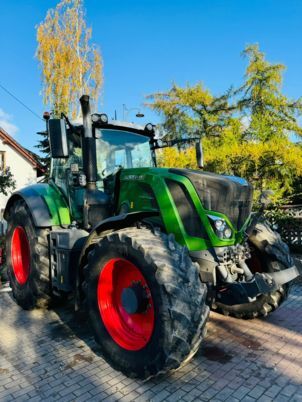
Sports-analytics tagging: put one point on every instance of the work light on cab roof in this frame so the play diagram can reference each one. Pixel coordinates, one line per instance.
(99, 118)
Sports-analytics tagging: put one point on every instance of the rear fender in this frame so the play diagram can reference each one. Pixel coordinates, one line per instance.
(115, 223)
(45, 203)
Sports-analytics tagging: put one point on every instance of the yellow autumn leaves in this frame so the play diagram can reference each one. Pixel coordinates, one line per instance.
(70, 65)
(267, 165)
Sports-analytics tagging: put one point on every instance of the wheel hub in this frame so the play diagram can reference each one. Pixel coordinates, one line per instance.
(125, 303)
(135, 299)
(20, 255)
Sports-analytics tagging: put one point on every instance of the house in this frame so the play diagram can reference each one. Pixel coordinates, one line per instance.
(23, 165)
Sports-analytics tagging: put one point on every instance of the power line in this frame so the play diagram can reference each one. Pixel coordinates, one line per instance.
(21, 103)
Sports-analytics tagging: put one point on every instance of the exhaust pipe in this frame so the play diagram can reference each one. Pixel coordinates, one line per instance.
(199, 154)
(89, 147)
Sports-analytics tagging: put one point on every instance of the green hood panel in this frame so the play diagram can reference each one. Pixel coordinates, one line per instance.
(148, 189)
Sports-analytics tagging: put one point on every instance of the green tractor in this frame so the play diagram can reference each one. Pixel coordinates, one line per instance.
(147, 251)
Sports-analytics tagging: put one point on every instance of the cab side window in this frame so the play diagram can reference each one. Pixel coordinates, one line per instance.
(61, 167)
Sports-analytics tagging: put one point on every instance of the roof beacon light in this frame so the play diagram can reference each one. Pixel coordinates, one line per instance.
(46, 115)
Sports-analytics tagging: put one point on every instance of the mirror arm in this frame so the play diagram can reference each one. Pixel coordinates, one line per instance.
(171, 143)
(71, 126)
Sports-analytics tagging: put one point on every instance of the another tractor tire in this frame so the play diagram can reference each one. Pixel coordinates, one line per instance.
(3, 274)
(3, 269)
(145, 302)
(27, 259)
(264, 304)
(268, 254)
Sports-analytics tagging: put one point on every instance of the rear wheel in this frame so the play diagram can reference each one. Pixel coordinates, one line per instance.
(145, 301)
(27, 259)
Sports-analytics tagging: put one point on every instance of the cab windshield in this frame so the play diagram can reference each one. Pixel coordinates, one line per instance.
(116, 149)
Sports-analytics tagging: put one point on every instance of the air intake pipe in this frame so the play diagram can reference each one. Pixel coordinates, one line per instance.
(88, 144)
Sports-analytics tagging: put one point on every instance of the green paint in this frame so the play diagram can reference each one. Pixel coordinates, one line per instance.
(55, 202)
(146, 189)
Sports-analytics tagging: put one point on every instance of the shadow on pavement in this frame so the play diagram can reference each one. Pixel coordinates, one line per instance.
(52, 355)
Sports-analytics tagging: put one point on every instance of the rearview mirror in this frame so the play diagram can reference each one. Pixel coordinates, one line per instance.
(199, 154)
(58, 138)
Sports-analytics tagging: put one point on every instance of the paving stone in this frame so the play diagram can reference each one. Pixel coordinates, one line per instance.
(289, 390)
(273, 390)
(253, 360)
(257, 391)
(241, 392)
(265, 398)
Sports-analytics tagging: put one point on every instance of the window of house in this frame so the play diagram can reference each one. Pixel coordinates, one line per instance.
(2, 160)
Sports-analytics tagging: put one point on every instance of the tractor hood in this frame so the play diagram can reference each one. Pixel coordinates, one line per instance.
(228, 195)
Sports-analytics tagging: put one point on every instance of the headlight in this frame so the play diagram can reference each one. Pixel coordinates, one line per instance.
(227, 233)
(219, 225)
(221, 228)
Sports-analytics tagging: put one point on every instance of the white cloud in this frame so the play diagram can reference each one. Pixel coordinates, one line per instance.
(7, 124)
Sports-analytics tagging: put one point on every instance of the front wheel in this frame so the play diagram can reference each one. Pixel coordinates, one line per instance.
(145, 301)
(268, 254)
(263, 304)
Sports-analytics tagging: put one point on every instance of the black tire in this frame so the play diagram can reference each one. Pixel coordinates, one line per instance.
(3, 267)
(3, 274)
(269, 254)
(178, 297)
(35, 292)
(264, 304)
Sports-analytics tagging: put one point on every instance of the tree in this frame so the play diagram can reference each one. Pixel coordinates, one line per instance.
(70, 65)
(191, 110)
(266, 165)
(271, 114)
(245, 132)
(7, 181)
(44, 148)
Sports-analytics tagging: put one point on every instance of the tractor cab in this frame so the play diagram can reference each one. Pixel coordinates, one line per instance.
(117, 148)
(87, 169)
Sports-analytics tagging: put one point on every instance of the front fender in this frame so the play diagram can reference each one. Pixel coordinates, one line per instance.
(115, 223)
(45, 203)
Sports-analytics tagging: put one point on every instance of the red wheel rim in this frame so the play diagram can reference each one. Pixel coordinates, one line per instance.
(20, 255)
(130, 331)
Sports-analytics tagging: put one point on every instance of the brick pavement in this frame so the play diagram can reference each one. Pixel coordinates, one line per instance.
(50, 355)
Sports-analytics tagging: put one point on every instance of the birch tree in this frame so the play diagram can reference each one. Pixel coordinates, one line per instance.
(71, 66)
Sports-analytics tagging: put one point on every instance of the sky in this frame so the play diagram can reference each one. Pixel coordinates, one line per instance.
(146, 46)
